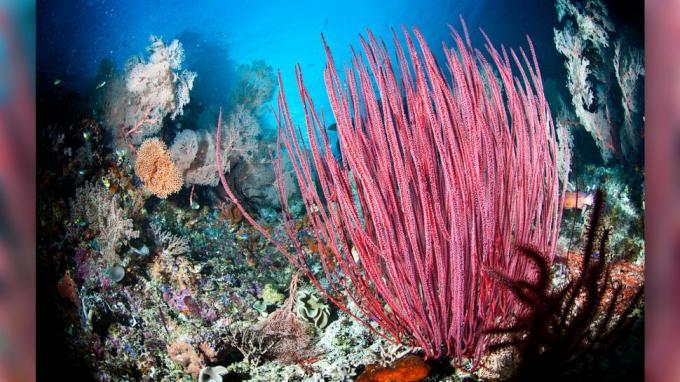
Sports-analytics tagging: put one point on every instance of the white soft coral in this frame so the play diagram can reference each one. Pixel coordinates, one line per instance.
(153, 90)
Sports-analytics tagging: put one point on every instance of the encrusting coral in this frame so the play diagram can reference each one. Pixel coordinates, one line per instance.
(154, 166)
(408, 369)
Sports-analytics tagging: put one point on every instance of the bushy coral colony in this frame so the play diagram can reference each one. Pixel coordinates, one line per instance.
(443, 226)
(402, 177)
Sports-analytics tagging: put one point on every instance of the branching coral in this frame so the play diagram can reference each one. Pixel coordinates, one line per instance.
(628, 68)
(169, 265)
(240, 137)
(281, 336)
(172, 245)
(194, 152)
(294, 342)
(570, 43)
(592, 19)
(101, 210)
(252, 344)
(404, 247)
(154, 166)
(591, 63)
(151, 91)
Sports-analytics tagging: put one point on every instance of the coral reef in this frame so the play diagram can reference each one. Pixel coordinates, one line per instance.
(428, 282)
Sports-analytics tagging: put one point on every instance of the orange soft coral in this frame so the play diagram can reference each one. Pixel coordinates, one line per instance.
(155, 168)
(408, 369)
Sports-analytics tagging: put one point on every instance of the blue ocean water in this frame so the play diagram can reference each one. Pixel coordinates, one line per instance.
(75, 36)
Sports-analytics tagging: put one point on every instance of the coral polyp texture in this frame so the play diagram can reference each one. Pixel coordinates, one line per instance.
(437, 180)
(154, 166)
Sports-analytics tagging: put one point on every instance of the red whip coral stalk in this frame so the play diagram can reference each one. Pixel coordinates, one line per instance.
(442, 172)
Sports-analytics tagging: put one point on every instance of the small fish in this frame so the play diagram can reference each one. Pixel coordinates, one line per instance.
(577, 200)
(333, 127)
(242, 236)
(101, 85)
(57, 82)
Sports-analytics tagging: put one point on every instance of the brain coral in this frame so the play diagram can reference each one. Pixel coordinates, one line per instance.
(155, 168)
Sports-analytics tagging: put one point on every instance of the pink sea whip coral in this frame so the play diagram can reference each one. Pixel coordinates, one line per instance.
(441, 174)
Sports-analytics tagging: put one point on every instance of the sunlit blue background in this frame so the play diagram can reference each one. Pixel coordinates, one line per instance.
(220, 35)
